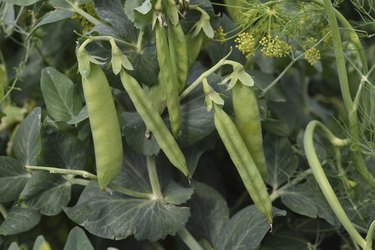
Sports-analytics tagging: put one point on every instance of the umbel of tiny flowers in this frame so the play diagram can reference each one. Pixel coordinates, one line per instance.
(211, 96)
(119, 60)
(84, 59)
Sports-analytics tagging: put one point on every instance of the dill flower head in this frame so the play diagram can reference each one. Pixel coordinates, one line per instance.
(312, 54)
(245, 43)
(274, 46)
(220, 34)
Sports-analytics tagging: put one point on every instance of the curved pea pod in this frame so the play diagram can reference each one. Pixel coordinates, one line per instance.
(246, 113)
(154, 122)
(178, 53)
(104, 124)
(168, 80)
(194, 45)
(243, 161)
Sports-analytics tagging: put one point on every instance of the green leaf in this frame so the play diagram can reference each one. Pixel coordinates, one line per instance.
(27, 139)
(46, 192)
(14, 246)
(77, 240)
(62, 100)
(21, 2)
(134, 131)
(41, 244)
(124, 216)
(195, 151)
(139, 12)
(286, 240)
(81, 116)
(62, 150)
(307, 199)
(13, 178)
(60, 4)
(282, 162)
(19, 220)
(145, 64)
(52, 17)
(209, 213)
(145, 7)
(245, 230)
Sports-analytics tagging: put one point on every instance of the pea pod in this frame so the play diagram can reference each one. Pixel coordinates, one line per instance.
(243, 161)
(194, 45)
(104, 124)
(3, 80)
(246, 112)
(154, 122)
(178, 53)
(168, 80)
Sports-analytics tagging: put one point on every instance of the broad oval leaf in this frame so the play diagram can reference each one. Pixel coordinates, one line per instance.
(41, 244)
(77, 240)
(117, 216)
(62, 100)
(19, 220)
(27, 139)
(245, 230)
(46, 192)
(13, 178)
(21, 2)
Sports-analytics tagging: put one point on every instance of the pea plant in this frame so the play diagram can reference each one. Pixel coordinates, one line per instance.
(165, 124)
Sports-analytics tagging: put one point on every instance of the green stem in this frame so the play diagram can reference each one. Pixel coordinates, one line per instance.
(154, 179)
(84, 14)
(300, 177)
(3, 211)
(189, 240)
(108, 39)
(130, 192)
(205, 74)
(139, 41)
(370, 236)
(322, 180)
(53, 170)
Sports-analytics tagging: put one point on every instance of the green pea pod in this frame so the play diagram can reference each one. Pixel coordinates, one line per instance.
(104, 124)
(194, 45)
(243, 161)
(168, 80)
(154, 122)
(178, 53)
(3, 80)
(246, 112)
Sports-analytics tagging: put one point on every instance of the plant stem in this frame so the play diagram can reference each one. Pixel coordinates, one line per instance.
(130, 192)
(322, 180)
(53, 170)
(300, 177)
(84, 14)
(370, 236)
(3, 211)
(154, 179)
(189, 240)
(205, 74)
(139, 41)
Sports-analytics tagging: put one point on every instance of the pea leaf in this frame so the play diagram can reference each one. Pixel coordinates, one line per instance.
(41, 244)
(46, 192)
(27, 139)
(210, 209)
(245, 230)
(281, 160)
(307, 199)
(77, 240)
(13, 178)
(62, 100)
(19, 220)
(21, 2)
(144, 218)
(14, 246)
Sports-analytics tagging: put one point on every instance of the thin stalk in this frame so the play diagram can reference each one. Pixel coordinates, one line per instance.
(300, 177)
(154, 179)
(189, 240)
(108, 39)
(139, 41)
(322, 179)
(370, 236)
(130, 192)
(53, 170)
(84, 14)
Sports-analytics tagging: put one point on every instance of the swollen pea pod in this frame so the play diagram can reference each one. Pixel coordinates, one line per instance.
(243, 161)
(194, 45)
(154, 122)
(246, 113)
(3, 80)
(178, 53)
(168, 80)
(104, 124)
